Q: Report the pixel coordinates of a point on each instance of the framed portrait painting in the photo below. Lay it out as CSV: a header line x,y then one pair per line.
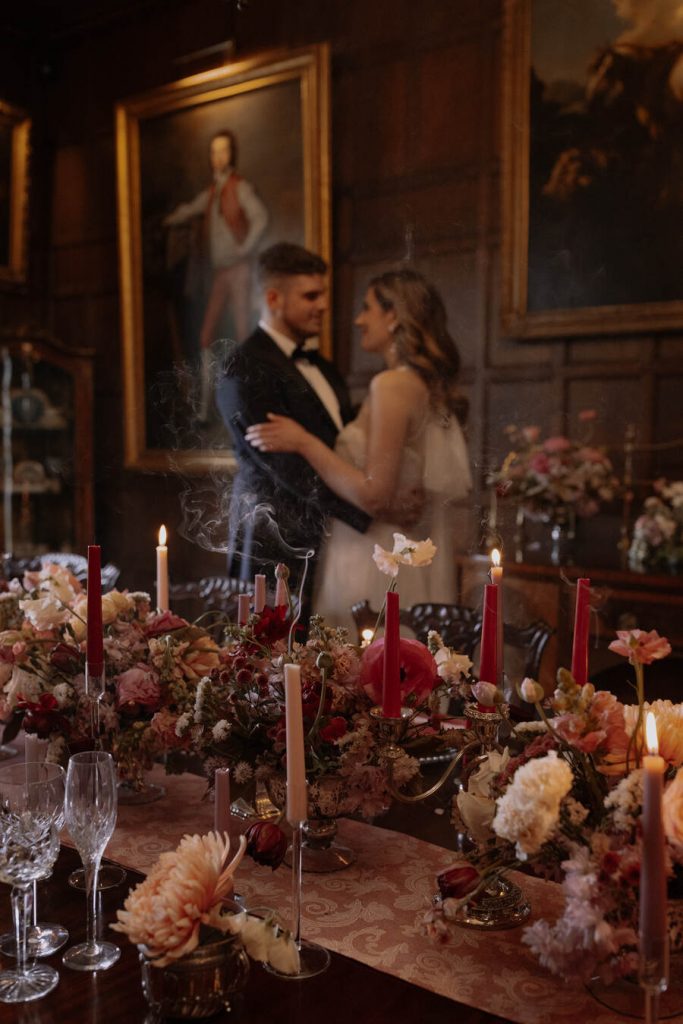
x,y
211,170
592,167
15,132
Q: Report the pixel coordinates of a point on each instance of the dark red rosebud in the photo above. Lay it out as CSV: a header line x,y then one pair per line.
x,y
334,730
243,677
458,881
66,658
266,843
610,862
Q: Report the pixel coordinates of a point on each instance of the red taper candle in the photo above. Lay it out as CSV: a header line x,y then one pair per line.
x,y
581,631
94,651
391,680
488,660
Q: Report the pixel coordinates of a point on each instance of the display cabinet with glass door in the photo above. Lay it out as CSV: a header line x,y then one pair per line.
x,y
46,393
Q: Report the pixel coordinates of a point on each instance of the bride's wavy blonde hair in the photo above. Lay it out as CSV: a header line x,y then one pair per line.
x,y
421,335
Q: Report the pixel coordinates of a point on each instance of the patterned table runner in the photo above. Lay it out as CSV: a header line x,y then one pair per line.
x,y
371,911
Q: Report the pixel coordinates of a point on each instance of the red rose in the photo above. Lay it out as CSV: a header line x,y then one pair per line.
x,y
272,624
266,843
418,670
43,716
334,730
457,881
66,658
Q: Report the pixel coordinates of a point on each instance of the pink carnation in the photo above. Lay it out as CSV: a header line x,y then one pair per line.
x,y
639,646
139,685
163,622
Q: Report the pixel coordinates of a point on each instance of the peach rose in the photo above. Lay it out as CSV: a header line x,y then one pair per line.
x,y
672,811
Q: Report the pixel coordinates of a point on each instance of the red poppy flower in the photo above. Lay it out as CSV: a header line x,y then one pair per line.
x,y
417,666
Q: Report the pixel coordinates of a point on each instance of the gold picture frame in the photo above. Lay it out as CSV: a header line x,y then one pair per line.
x,y
15,136
591,225
276,106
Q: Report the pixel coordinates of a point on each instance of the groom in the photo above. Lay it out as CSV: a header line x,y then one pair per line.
x,y
279,369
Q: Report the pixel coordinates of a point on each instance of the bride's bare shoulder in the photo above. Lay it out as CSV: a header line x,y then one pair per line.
x,y
399,381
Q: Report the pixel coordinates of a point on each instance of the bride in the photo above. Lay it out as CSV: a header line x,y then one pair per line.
x,y
407,437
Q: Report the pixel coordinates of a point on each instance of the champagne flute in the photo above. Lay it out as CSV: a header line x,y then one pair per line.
x,y
31,802
90,814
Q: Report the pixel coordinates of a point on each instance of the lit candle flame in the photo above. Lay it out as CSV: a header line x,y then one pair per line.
x,y
495,556
366,636
162,536
651,733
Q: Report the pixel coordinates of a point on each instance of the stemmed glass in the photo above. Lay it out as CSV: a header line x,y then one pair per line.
x,y
90,813
31,803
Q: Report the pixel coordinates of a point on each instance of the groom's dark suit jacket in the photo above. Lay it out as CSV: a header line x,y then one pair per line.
x,y
259,378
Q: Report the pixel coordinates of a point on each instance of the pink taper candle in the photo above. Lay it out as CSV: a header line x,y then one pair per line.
x,y
581,629
94,650
653,921
259,592
391,679
221,800
488,661
243,602
162,571
296,768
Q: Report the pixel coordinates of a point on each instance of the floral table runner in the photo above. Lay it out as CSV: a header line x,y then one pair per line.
x,y
371,912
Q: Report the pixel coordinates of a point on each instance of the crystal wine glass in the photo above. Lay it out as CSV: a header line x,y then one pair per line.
x,y
31,802
43,937
90,813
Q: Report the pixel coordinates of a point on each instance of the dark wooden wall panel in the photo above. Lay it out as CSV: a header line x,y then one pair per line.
x,y
416,163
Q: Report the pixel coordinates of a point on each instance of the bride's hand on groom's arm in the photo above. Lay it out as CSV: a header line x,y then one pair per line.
x,y
407,509
279,434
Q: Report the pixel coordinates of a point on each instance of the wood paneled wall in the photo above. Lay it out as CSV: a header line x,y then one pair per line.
x,y
416,163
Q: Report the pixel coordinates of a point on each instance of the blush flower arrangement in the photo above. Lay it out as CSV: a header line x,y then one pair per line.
x,y
658,532
545,475
565,804
153,662
238,717
181,905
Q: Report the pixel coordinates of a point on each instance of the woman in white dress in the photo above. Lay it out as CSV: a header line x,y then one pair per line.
x,y
406,437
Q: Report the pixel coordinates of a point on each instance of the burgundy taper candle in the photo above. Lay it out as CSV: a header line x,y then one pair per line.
x,y
488,661
94,650
581,630
391,679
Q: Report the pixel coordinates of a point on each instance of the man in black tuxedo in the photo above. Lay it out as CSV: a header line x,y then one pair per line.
x,y
278,369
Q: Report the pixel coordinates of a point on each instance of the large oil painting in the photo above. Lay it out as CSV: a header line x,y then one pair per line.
x,y
211,170
593,167
15,131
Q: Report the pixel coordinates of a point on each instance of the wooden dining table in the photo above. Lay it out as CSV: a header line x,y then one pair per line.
x,y
349,992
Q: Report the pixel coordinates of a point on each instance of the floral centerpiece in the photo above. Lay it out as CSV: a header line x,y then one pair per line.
x,y
238,717
566,804
658,532
192,939
555,473
153,662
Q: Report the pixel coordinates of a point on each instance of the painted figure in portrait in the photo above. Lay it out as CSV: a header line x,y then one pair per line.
x,y
225,222
606,154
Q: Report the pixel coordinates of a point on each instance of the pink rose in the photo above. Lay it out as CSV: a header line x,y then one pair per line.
x,y
540,463
139,685
163,622
639,646
556,444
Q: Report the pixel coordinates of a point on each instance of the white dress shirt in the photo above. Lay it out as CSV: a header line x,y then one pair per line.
x,y
313,374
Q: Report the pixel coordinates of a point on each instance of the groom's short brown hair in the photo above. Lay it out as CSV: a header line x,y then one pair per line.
x,y
285,259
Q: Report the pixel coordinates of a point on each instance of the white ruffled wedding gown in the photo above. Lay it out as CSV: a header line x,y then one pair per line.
x,y
434,458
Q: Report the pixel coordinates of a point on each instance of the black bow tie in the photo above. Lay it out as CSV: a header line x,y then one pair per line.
x,y
311,354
